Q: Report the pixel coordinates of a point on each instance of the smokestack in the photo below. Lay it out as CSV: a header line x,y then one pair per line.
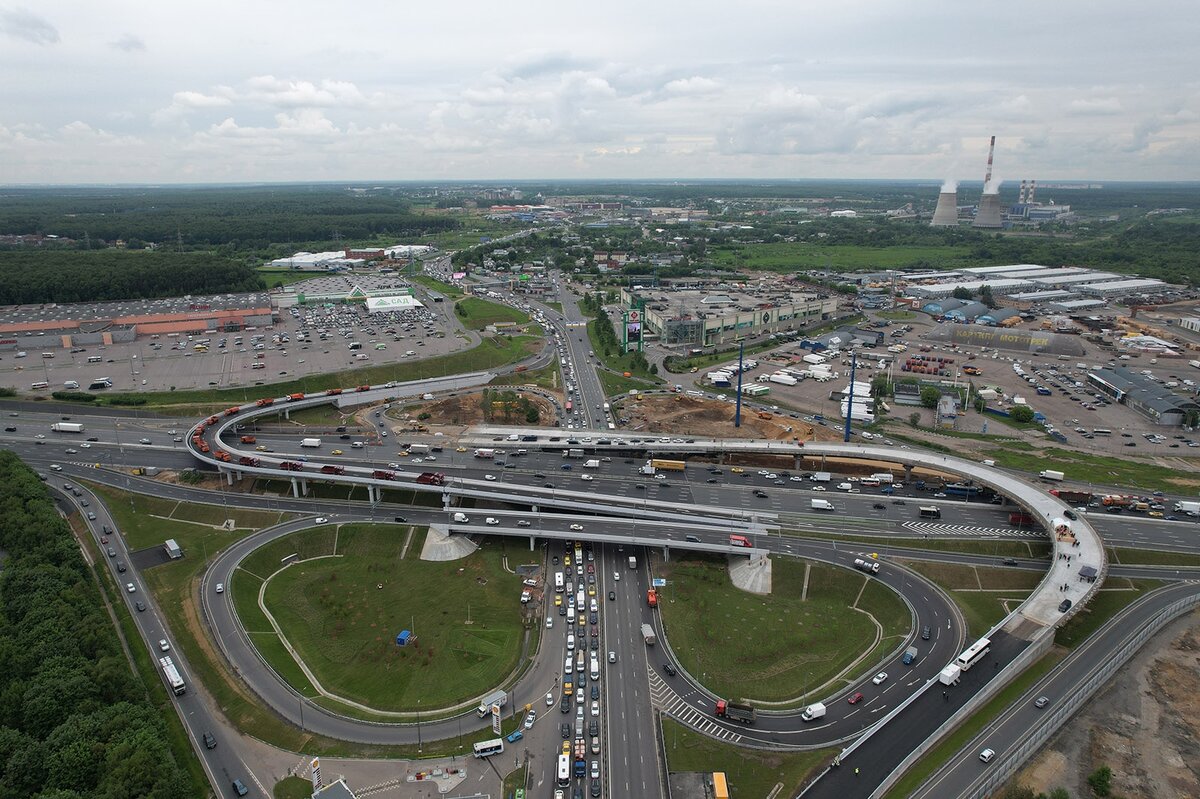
x,y
946,214
987,178
1032,189
988,215
1021,195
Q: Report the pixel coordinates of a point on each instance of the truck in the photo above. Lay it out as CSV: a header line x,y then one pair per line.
x,y
735,711
431,478
248,461
910,655
782,379
572,453
383,474
1020,518
497,698
1194,364
594,463
868,566
66,427
632,562
821,477
265,402
950,675
668,466
485,453
1051,474
652,597
295,397
813,358
884,477
813,712
310,442
607,406
291,466
249,439
930,512
1190,508
648,634
333,470
646,468
461,518
821,504
1072,497
418,449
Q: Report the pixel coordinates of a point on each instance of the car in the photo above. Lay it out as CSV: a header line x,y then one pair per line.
x,y
104,538
164,645
400,519
925,633
760,494
1011,562
565,705
879,506
549,698
564,730
612,596
130,587
612,657
595,771
209,741
669,669
220,588
320,520
987,754
880,678
143,441
818,488
530,718
239,788
595,695
577,527
549,622
596,707
899,502
586,477
54,467
112,553
514,736
1041,702
855,698
85,445
1064,606
489,477
260,448
141,607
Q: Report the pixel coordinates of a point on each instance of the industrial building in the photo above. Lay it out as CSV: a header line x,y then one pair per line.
x,y
339,289
1036,342
1143,394
999,286
704,318
1122,287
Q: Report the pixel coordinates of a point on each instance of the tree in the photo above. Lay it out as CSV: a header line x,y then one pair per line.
x,y
1100,781
986,297
914,418
1022,414
961,293
1059,793
930,397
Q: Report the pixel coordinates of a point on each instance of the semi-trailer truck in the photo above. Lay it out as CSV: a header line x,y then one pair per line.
x,y
431,478
310,442
1189,508
66,427
1073,497
735,711
869,566
1051,474
668,466
813,712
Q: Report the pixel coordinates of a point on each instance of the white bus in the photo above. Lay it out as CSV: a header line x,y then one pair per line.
x,y
564,771
973,654
558,582
40,385
1100,431
171,676
489,748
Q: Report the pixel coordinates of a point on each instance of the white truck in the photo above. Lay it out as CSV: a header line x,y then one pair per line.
x,y
1051,474
66,427
783,380
1190,508
485,707
950,675
418,449
883,477
647,468
594,463
813,712
821,504
648,634
868,566
461,518
485,453
632,562
310,443
821,477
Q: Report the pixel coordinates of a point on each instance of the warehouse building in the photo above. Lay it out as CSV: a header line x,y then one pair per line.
x,y
704,318
1075,306
1079,278
1158,404
998,316
998,286
340,289
1044,295
1035,342
968,312
1121,287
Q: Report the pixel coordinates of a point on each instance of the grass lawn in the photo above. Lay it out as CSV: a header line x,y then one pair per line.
x,y
681,365
617,363
512,781
617,385
476,313
804,642
557,306
292,788
492,351
547,377
897,314
981,593
465,614
325,415
752,774
1148,557
1100,468
1108,602
446,289
911,547
802,255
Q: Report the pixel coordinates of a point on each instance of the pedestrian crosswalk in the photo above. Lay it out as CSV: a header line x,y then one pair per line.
x,y
938,528
678,708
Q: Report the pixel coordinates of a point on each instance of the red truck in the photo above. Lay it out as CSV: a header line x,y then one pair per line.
x,y
299,395
201,445
333,470
382,474
291,466
248,439
363,388
735,711
264,402
1020,519
231,411
213,420
652,597
1073,497
431,478
248,461
222,456
333,392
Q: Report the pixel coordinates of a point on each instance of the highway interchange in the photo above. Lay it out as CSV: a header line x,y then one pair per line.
x,y
631,755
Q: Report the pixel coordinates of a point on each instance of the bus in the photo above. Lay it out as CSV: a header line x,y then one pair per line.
x,y
558,582
40,385
739,541
973,654
564,771
488,748
100,383
569,406
171,676
930,512
1100,431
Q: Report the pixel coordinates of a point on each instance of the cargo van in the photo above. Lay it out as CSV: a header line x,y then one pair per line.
x,y
461,518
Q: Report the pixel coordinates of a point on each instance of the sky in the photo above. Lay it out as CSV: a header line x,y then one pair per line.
x,y
118,91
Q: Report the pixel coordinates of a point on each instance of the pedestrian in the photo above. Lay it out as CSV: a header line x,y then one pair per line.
x,y
856,771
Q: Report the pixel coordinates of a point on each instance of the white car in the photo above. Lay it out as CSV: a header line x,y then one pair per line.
x,y
85,445
393,466
220,588
549,698
320,520
577,527
771,476
163,645
818,488
880,678
612,657
130,587
595,769
523,523
54,467
489,477
595,707
795,478
987,754
549,622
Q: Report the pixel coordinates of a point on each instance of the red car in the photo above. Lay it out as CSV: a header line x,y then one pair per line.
x,y
855,698
103,539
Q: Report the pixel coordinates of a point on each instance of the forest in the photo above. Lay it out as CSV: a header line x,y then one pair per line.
x,y
74,720
29,276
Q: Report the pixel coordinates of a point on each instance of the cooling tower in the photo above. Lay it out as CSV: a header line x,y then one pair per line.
x,y
946,214
988,215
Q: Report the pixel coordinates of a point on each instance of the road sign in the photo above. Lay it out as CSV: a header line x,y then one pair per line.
x,y
658,582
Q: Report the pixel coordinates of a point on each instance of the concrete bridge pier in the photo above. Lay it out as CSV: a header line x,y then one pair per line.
x,y
907,473
532,543
299,487
798,463
229,476
666,554
372,493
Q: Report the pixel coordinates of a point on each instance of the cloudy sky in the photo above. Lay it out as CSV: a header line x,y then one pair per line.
x,y
129,92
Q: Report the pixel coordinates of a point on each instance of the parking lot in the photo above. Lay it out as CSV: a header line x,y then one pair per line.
x,y
305,340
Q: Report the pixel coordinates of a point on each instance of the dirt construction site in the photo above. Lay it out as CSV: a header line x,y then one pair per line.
x,y
688,415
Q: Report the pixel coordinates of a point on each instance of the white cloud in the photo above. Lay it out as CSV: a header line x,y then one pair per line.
x,y
691,86
23,24
129,43
1097,106
269,90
